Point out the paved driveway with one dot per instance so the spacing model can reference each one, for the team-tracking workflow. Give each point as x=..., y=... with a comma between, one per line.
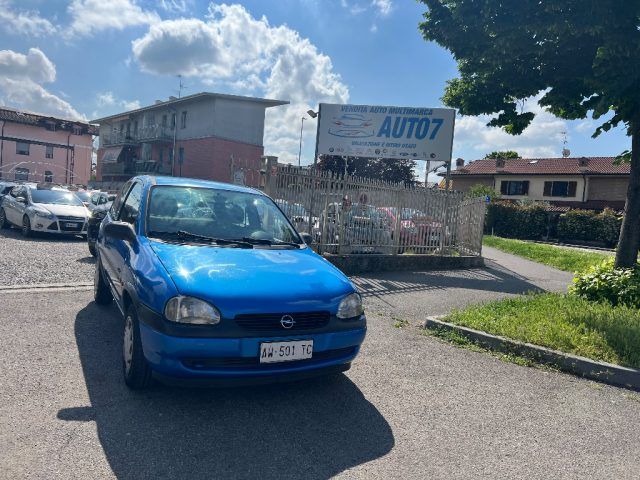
x=411, y=407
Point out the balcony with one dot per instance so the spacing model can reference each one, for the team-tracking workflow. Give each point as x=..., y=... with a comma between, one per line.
x=149, y=134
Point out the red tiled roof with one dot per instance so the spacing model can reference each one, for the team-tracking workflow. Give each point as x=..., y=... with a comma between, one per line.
x=545, y=166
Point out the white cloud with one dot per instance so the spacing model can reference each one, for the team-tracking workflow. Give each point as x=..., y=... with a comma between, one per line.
x=274, y=61
x=91, y=16
x=543, y=138
x=20, y=79
x=174, y=6
x=107, y=101
x=384, y=7
x=28, y=23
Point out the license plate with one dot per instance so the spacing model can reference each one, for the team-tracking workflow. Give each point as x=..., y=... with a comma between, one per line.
x=285, y=351
x=71, y=225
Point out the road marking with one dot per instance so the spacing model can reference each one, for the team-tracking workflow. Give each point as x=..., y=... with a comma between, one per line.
x=46, y=287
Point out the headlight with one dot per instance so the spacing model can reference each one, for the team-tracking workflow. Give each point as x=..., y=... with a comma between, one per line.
x=191, y=310
x=42, y=214
x=350, y=306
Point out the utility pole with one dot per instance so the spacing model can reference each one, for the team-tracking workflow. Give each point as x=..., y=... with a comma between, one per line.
x=300, y=149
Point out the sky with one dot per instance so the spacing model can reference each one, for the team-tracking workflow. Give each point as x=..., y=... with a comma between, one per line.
x=90, y=58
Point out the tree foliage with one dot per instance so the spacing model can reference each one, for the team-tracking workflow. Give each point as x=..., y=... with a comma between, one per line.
x=581, y=56
x=389, y=170
x=482, y=191
x=505, y=154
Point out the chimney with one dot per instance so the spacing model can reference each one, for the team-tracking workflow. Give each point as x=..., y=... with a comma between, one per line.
x=459, y=162
x=500, y=163
x=583, y=163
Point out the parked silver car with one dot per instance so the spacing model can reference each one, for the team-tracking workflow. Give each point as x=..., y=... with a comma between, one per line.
x=50, y=210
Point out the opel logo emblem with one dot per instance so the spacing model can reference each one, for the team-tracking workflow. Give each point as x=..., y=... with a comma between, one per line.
x=287, y=321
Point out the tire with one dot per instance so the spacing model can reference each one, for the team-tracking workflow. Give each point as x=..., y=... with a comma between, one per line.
x=26, y=227
x=3, y=219
x=136, y=370
x=92, y=250
x=101, y=293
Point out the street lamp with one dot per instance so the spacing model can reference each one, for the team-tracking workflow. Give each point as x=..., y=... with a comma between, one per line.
x=312, y=114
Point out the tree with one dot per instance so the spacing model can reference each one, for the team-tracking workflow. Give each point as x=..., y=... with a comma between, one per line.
x=482, y=191
x=580, y=56
x=386, y=169
x=506, y=154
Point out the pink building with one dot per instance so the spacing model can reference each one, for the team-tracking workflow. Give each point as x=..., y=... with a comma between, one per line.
x=207, y=135
x=41, y=148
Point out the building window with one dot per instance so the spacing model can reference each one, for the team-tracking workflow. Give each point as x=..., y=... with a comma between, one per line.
x=135, y=128
x=48, y=151
x=78, y=130
x=129, y=130
x=21, y=174
x=181, y=156
x=51, y=127
x=173, y=121
x=183, y=120
x=160, y=155
x=171, y=157
x=512, y=187
x=151, y=119
x=164, y=121
x=48, y=176
x=560, y=189
x=146, y=151
x=22, y=148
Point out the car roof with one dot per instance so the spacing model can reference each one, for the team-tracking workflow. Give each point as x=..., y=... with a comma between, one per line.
x=196, y=183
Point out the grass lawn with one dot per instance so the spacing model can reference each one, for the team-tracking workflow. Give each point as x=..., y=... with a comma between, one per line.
x=562, y=322
x=567, y=259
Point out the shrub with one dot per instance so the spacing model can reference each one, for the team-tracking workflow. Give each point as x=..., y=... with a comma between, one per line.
x=590, y=226
x=517, y=221
x=482, y=191
x=604, y=282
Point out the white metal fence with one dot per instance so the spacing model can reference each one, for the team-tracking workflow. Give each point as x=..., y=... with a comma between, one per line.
x=356, y=215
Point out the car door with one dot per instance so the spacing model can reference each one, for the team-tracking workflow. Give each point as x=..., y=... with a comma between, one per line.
x=105, y=245
x=11, y=205
x=121, y=250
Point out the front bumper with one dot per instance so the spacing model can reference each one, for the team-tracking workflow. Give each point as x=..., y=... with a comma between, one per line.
x=46, y=225
x=237, y=358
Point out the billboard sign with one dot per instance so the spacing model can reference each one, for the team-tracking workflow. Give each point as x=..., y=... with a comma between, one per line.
x=386, y=132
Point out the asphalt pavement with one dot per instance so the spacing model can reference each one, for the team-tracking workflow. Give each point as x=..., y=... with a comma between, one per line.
x=411, y=406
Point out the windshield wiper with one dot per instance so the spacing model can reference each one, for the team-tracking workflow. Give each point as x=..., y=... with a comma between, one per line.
x=264, y=241
x=204, y=238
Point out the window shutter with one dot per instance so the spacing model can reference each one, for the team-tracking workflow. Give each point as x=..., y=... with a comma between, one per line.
x=547, y=189
x=503, y=187
x=572, y=189
x=525, y=187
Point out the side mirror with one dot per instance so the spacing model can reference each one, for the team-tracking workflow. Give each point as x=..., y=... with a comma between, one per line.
x=21, y=200
x=120, y=231
x=307, y=238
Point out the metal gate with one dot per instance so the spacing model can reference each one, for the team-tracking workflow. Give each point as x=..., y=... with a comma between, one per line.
x=348, y=215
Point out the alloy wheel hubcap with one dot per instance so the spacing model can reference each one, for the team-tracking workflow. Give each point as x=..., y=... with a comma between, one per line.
x=127, y=344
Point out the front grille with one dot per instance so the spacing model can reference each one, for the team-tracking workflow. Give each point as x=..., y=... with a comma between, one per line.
x=271, y=321
x=239, y=363
x=70, y=219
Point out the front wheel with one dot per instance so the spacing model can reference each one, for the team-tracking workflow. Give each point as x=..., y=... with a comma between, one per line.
x=3, y=219
x=26, y=227
x=101, y=293
x=136, y=370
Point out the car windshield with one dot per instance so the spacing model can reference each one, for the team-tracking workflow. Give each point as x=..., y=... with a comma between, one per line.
x=56, y=197
x=84, y=196
x=217, y=214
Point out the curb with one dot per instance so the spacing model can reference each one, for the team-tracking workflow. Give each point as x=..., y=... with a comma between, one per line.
x=583, y=367
x=46, y=287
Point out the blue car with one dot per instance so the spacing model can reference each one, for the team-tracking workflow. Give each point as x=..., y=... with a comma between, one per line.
x=215, y=284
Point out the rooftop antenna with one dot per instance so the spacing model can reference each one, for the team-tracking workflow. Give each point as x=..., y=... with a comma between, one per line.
x=565, y=151
x=181, y=86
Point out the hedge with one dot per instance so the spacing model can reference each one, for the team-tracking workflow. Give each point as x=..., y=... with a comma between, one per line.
x=590, y=226
x=534, y=222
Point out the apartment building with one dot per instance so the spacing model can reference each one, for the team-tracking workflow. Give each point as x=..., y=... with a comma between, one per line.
x=206, y=135
x=41, y=148
x=576, y=182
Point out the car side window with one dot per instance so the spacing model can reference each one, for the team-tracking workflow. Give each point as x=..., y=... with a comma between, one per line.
x=14, y=192
x=117, y=203
x=131, y=207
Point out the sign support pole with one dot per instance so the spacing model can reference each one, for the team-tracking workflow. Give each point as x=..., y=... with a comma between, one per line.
x=314, y=173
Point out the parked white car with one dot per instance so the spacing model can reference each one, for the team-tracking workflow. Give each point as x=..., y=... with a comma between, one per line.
x=49, y=210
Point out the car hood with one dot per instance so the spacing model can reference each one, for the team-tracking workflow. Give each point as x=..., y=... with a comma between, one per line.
x=64, y=210
x=259, y=280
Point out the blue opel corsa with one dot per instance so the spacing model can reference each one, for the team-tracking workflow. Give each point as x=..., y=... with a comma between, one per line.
x=215, y=283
